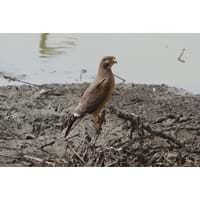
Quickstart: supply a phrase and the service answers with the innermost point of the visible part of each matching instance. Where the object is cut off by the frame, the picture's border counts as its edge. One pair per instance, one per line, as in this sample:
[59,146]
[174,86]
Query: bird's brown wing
[92,97]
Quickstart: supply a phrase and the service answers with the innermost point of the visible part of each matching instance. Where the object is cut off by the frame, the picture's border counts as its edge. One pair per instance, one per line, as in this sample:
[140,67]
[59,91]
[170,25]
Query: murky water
[66,58]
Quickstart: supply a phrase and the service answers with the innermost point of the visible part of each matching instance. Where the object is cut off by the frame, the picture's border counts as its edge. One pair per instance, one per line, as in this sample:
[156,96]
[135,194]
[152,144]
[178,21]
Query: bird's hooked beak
[114,60]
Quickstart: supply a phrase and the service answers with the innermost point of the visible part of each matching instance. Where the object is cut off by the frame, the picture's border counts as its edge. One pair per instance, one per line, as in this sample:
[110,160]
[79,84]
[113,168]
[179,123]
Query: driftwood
[137,123]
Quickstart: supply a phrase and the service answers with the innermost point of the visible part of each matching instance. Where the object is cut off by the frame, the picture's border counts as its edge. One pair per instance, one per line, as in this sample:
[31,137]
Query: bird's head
[107,62]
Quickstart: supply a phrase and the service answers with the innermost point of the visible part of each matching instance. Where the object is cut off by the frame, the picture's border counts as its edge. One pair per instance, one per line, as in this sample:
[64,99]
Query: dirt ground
[145,125]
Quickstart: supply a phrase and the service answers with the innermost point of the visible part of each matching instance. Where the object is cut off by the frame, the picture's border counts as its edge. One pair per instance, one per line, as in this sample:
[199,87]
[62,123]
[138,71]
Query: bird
[95,97]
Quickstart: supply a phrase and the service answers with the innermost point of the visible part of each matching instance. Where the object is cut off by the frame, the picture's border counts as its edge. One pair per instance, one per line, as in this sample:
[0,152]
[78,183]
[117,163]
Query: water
[67,58]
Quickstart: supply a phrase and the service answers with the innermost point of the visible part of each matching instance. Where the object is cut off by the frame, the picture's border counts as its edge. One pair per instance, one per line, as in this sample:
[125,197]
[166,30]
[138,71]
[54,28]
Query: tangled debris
[145,125]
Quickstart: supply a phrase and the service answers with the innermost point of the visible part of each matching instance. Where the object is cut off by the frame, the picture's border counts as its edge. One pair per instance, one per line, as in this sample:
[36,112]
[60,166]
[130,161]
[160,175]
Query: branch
[159,133]
[144,126]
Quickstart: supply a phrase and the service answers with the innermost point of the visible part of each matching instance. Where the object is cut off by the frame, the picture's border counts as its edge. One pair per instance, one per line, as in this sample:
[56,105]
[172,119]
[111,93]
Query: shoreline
[31,121]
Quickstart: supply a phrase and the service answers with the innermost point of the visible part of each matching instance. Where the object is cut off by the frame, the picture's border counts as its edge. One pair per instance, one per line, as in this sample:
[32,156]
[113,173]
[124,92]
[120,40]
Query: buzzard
[95,97]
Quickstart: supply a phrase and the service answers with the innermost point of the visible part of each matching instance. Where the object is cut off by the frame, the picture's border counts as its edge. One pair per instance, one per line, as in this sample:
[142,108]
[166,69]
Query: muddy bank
[31,120]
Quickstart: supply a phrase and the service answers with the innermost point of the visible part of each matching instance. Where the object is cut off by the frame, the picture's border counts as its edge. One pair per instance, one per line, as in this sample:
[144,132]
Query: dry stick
[146,127]
[53,142]
[132,141]
[43,150]
[15,79]
[159,133]
[73,136]
[75,153]
[120,78]
[193,128]
[48,144]
[39,160]
[113,163]
[175,133]
[127,116]
[181,55]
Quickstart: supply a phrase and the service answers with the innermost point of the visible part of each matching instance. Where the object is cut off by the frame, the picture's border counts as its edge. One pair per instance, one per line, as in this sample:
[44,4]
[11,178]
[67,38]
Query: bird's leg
[98,124]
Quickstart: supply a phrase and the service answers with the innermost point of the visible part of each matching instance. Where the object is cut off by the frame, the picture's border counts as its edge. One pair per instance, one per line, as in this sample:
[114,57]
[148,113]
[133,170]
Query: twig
[181,55]
[193,128]
[175,133]
[39,160]
[130,142]
[15,79]
[48,144]
[120,78]
[159,133]
[75,153]
[123,115]
[112,163]
[72,136]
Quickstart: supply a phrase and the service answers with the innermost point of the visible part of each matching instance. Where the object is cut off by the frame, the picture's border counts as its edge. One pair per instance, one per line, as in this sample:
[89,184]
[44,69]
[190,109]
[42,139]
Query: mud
[31,120]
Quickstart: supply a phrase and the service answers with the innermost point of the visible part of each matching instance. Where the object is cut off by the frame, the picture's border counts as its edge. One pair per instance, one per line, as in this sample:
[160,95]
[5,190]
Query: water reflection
[50,48]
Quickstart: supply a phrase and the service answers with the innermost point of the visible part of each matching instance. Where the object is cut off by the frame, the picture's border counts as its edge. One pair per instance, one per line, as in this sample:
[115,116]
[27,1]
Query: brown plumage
[96,95]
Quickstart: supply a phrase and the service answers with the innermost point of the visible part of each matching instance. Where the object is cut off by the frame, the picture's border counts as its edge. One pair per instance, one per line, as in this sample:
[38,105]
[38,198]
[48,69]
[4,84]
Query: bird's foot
[98,132]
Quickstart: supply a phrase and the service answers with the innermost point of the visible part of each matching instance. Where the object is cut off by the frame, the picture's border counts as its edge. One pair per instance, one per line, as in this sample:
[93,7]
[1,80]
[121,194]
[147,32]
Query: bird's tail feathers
[69,123]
